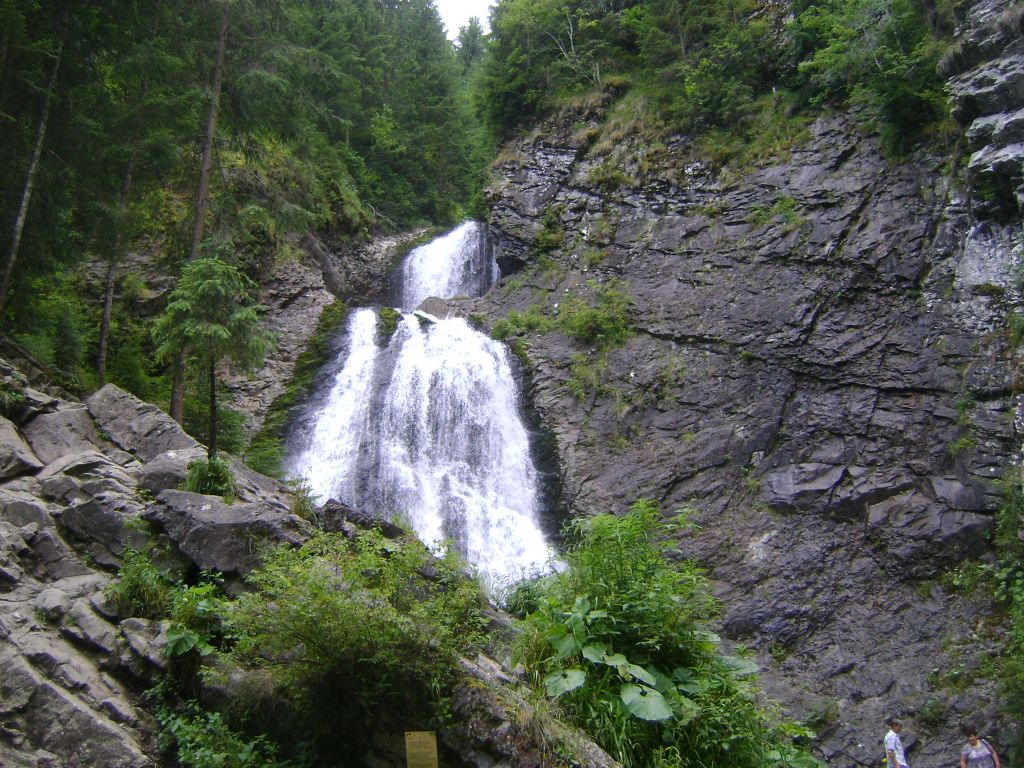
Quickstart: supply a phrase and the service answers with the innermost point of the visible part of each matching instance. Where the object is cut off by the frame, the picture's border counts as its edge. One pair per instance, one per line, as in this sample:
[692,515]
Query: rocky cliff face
[78,483]
[818,366]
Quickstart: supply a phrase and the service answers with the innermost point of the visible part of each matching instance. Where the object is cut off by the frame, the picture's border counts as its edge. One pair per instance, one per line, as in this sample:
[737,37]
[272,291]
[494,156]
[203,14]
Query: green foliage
[514,323]
[199,739]
[773,129]
[182,641]
[784,207]
[585,377]
[198,607]
[303,500]
[962,444]
[1015,329]
[67,342]
[210,316]
[608,177]
[606,323]
[388,319]
[334,118]
[211,475]
[142,589]
[1007,584]
[348,630]
[618,638]
[730,73]
[10,398]
[230,423]
[880,54]
[552,234]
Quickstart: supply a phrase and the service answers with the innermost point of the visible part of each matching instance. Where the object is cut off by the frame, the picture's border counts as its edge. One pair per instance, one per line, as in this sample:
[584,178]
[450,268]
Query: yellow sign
[420,749]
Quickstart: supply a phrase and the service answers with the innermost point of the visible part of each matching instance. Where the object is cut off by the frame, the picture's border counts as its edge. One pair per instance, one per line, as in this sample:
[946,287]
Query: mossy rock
[387,321]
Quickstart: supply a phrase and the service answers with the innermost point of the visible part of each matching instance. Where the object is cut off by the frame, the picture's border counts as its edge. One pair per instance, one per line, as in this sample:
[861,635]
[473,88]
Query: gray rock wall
[820,369]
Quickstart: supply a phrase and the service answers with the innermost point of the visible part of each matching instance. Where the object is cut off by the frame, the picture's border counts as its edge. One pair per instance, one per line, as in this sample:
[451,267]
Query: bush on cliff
[1009,589]
[706,66]
[618,638]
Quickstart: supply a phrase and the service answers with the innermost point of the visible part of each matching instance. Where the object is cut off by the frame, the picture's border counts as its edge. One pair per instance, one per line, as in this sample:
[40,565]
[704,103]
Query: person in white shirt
[893,746]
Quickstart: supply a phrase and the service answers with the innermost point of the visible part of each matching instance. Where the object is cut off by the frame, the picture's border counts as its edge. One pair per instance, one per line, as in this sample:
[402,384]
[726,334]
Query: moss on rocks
[266,449]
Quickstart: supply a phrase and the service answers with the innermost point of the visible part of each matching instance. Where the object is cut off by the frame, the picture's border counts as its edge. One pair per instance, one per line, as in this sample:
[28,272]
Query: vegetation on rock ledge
[619,639]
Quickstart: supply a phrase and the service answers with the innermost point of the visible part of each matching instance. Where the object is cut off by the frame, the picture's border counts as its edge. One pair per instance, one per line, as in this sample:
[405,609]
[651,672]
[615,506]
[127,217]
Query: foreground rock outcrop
[80,484]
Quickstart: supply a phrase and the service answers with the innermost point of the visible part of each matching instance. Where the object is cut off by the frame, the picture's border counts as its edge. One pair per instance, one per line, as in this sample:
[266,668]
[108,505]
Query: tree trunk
[108,286]
[212,448]
[177,408]
[30,180]
[202,200]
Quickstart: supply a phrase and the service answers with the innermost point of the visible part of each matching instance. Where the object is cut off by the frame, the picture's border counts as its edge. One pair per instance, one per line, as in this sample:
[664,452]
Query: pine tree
[211,318]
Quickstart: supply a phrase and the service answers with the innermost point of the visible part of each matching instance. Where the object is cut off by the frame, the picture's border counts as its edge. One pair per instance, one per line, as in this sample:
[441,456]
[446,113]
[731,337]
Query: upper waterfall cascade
[459,263]
[424,426]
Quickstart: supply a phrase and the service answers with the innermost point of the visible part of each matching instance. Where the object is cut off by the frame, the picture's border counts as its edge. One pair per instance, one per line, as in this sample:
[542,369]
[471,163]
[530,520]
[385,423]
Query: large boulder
[99,504]
[16,457]
[495,726]
[138,427]
[59,707]
[222,537]
[67,429]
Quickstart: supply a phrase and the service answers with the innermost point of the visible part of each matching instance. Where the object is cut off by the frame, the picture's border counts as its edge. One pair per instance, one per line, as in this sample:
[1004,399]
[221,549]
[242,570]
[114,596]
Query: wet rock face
[818,369]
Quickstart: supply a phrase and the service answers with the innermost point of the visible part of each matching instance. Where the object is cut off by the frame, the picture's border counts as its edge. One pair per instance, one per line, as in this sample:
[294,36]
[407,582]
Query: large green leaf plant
[618,639]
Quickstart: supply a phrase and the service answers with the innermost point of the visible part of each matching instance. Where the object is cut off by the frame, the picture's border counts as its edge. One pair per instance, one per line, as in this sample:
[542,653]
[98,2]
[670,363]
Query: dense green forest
[215,129]
[736,68]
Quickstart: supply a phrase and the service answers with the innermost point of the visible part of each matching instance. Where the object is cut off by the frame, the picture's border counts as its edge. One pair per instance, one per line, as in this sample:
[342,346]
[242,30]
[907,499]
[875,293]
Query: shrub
[514,323]
[348,630]
[618,638]
[303,500]
[142,589]
[585,377]
[211,475]
[879,54]
[10,398]
[605,323]
[199,739]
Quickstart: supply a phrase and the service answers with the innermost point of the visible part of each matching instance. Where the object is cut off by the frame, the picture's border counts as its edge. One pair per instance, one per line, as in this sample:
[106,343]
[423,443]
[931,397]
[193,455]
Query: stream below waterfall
[423,425]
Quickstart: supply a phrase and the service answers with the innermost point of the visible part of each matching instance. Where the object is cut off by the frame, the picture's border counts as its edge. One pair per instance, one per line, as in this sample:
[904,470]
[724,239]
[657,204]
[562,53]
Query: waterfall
[460,263]
[424,426]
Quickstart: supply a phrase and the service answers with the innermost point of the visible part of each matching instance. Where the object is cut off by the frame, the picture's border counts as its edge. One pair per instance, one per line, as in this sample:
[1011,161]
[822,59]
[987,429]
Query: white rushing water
[425,426]
[459,263]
